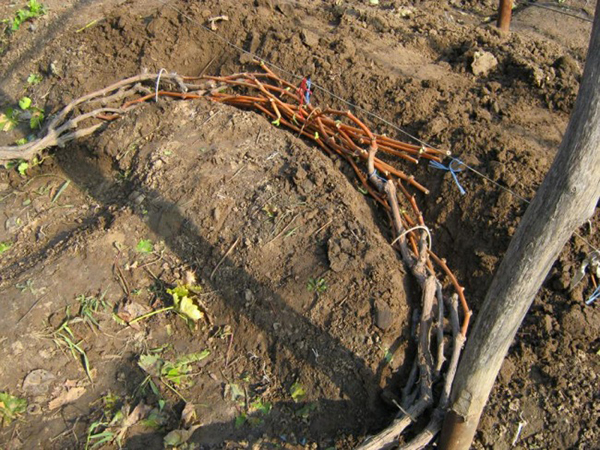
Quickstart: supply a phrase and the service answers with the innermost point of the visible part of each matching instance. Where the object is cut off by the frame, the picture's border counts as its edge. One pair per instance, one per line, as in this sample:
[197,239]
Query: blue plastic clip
[595,296]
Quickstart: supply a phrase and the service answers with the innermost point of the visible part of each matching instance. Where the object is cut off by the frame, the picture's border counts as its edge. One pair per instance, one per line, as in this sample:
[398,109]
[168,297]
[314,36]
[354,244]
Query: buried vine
[339,133]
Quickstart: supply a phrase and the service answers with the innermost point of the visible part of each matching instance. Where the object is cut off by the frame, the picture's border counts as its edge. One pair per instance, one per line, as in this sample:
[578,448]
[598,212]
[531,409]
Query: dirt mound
[311,294]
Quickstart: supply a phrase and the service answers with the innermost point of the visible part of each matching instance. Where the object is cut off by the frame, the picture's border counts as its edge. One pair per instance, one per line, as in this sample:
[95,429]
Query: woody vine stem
[338,133]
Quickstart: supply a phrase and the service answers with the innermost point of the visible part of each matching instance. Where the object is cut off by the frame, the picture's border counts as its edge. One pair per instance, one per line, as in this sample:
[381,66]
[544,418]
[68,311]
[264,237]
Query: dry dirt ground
[306,307]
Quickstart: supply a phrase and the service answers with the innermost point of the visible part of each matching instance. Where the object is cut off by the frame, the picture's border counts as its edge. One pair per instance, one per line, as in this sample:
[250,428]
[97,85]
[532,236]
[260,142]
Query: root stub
[338,133]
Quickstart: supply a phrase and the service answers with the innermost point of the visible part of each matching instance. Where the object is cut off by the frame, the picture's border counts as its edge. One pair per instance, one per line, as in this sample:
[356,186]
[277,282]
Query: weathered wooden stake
[566,198]
[504,15]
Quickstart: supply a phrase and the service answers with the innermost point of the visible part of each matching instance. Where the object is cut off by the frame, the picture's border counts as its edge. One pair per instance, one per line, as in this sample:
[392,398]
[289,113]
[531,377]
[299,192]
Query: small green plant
[144,246]
[316,285]
[11,408]
[25,103]
[173,374]
[270,211]
[34,78]
[102,431]
[388,356]
[22,168]
[297,392]
[10,118]
[4,246]
[64,337]
[185,302]
[258,408]
[33,10]
[305,411]
[90,306]
[98,435]
[26,286]
[36,119]
[36,115]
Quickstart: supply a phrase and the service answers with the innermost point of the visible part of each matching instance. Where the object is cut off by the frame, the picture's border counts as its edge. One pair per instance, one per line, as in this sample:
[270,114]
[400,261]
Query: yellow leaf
[190,309]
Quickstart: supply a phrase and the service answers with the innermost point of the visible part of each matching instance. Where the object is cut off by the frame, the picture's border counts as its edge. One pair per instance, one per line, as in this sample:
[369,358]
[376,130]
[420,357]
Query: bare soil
[261,218]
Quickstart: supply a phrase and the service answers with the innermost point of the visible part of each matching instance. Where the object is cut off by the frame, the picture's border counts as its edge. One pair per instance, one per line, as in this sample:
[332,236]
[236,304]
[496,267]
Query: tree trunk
[566,198]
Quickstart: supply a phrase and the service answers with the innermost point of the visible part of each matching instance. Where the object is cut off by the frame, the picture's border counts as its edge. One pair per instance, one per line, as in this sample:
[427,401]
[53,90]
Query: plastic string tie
[157,83]
[380,178]
[595,296]
[452,170]
[308,92]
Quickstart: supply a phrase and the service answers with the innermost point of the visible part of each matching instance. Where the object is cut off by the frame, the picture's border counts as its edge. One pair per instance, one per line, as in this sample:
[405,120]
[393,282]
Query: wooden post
[566,198]
[504,15]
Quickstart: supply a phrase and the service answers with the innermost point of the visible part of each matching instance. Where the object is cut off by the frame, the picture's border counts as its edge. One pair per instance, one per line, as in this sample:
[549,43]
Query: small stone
[285,8]
[300,175]
[12,223]
[510,179]
[246,58]
[405,12]
[264,3]
[496,170]
[38,381]
[248,295]
[548,324]
[383,315]
[483,63]
[309,38]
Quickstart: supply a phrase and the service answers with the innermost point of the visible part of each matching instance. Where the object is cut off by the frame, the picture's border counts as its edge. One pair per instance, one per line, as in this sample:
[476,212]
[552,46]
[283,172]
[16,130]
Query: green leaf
[389,356]
[21,141]
[297,392]
[236,393]
[155,419]
[36,8]
[145,246]
[22,168]
[185,303]
[193,357]
[240,420]
[11,407]
[177,437]
[188,308]
[37,118]
[9,120]
[263,408]
[34,78]
[179,292]
[4,246]
[305,411]
[25,103]
[151,364]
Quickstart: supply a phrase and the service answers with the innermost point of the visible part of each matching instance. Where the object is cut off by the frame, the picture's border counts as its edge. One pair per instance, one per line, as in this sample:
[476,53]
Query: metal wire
[369,113]
[559,11]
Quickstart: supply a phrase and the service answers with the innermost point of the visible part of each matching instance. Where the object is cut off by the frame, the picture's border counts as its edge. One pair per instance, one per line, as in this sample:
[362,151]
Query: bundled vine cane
[336,132]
